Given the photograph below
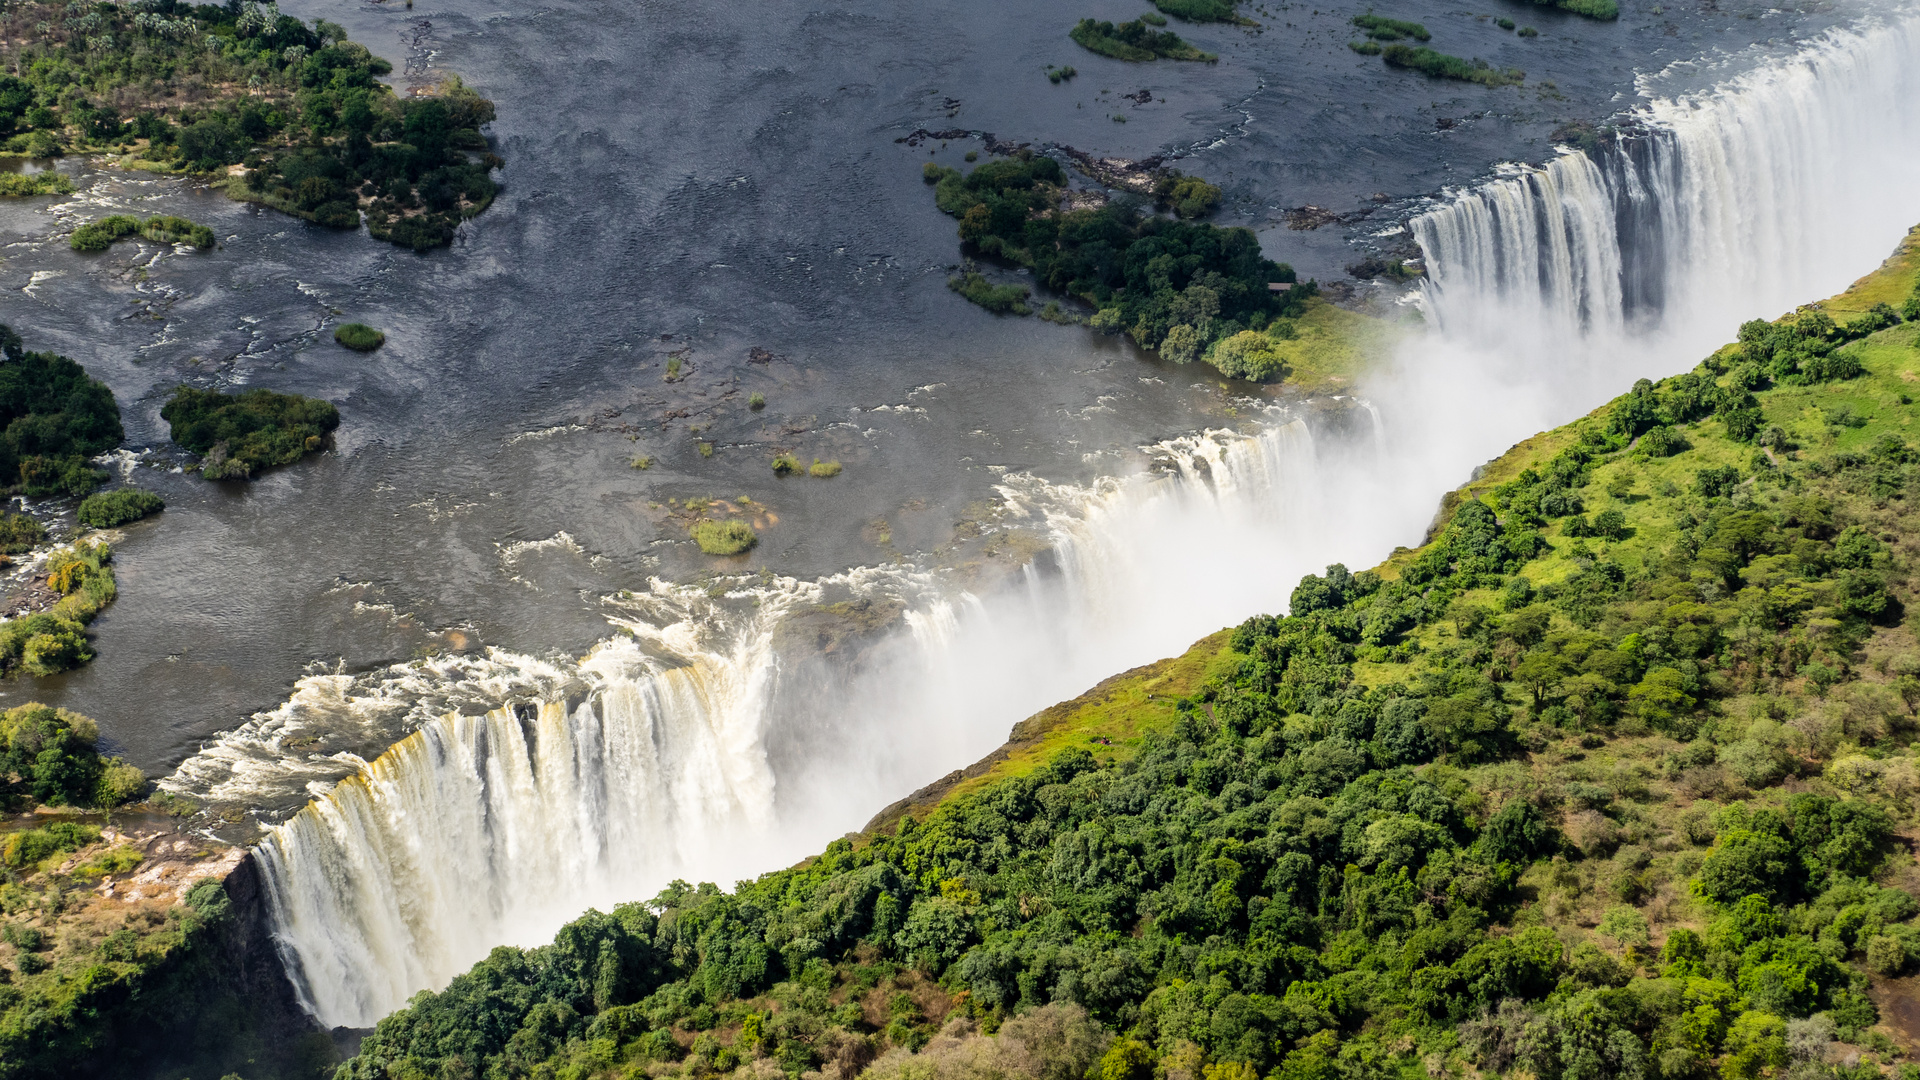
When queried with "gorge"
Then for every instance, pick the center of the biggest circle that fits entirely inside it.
(691, 747)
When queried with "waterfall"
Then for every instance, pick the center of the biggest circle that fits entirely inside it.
(1701, 209)
(693, 745)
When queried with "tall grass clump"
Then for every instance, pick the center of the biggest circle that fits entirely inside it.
(824, 469)
(786, 465)
(999, 299)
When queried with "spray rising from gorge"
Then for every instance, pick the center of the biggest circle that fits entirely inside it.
(694, 746)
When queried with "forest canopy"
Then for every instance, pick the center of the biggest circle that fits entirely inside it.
(55, 418)
(1158, 280)
(241, 434)
(203, 87)
(1600, 783)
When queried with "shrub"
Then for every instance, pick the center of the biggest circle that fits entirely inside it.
(1134, 41)
(100, 235)
(29, 846)
(1503, 23)
(47, 182)
(824, 469)
(51, 751)
(756, 401)
(240, 434)
(729, 537)
(786, 465)
(114, 508)
(177, 230)
(999, 299)
(55, 418)
(1380, 28)
(20, 533)
(1248, 355)
(1528, 31)
(359, 337)
(1365, 48)
(1441, 65)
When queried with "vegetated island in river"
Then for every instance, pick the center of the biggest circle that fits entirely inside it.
(244, 433)
(1607, 780)
(202, 88)
(1189, 289)
(1135, 41)
(1378, 28)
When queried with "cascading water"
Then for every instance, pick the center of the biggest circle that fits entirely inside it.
(695, 747)
(1702, 209)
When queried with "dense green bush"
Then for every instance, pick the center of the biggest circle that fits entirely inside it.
(241, 434)
(1592, 9)
(100, 235)
(359, 337)
(729, 537)
(109, 509)
(1441, 65)
(54, 419)
(1134, 41)
(51, 756)
(20, 533)
(1806, 349)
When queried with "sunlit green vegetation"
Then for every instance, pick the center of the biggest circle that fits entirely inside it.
(46, 182)
(100, 235)
(48, 757)
(1440, 65)
(55, 418)
(1365, 48)
(729, 537)
(49, 642)
(359, 337)
(1154, 279)
(202, 88)
(111, 509)
(1134, 41)
(1516, 803)
(823, 470)
(20, 533)
(241, 434)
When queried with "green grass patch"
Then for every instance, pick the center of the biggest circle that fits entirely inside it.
(1134, 41)
(787, 465)
(359, 337)
(1365, 48)
(724, 537)
(241, 434)
(109, 509)
(823, 469)
(1441, 65)
(1381, 28)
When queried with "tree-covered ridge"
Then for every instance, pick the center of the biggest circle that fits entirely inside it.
(1600, 783)
(1187, 288)
(203, 87)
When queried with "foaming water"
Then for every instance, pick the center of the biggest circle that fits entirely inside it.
(694, 745)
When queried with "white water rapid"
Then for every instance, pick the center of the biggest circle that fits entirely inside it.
(692, 746)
